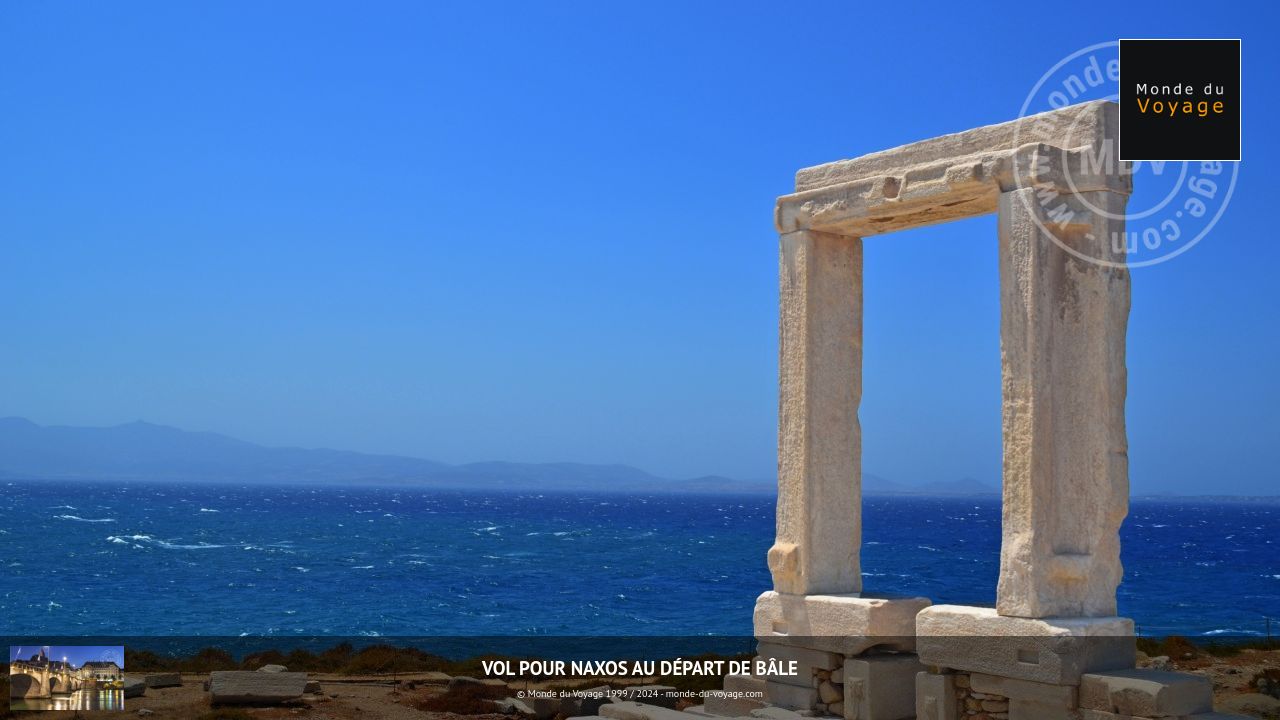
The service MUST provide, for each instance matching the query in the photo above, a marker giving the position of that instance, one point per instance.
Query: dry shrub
(1174, 646)
(1267, 682)
(463, 700)
(208, 660)
(267, 657)
(1178, 647)
(226, 714)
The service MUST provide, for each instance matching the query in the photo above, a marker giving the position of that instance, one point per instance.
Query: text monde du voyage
(1179, 99)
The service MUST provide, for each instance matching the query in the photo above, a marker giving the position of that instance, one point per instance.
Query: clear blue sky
(543, 231)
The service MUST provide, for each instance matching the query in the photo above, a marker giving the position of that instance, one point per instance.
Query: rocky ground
(344, 697)
(1245, 683)
(1236, 677)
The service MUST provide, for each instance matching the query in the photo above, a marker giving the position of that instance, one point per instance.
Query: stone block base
(725, 706)
(743, 684)
(1149, 693)
(744, 693)
(841, 624)
(936, 697)
(790, 697)
(661, 695)
(628, 710)
(975, 696)
(1056, 651)
(808, 662)
(1024, 690)
(776, 713)
(880, 687)
(1102, 715)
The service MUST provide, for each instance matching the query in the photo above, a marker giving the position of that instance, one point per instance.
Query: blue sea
(180, 560)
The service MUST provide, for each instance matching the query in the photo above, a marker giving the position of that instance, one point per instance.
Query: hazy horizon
(872, 482)
(544, 234)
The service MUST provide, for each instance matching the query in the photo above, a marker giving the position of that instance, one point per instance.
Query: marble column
(819, 517)
(1063, 320)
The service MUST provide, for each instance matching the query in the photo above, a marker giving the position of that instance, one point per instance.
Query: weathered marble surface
(819, 516)
(1047, 650)
(1062, 356)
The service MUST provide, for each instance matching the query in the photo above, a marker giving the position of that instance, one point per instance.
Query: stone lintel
(1086, 124)
(843, 624)
(949, 189)
(1043, 650)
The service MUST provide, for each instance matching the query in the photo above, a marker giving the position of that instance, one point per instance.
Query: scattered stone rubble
(240, 687)
(877, 685)
(164, 680)
(134, 687)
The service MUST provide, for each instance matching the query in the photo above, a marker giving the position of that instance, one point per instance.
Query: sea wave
(466, 579)
(165, 544)
(80, 519)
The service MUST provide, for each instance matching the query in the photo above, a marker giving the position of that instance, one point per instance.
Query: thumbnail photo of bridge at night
(73, 677)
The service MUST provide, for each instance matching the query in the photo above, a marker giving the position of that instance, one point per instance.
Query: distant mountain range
(144, 451)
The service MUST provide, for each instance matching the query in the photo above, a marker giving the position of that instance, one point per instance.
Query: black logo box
(1187, 68)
